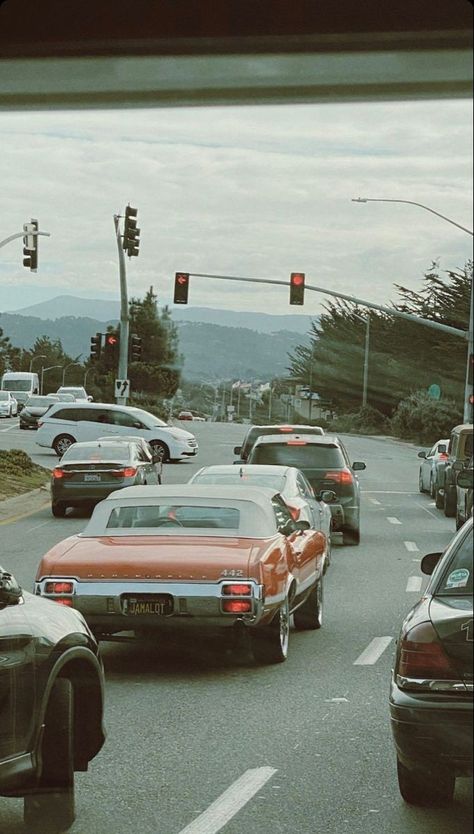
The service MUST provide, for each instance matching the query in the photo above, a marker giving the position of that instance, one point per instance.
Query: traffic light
(30, 245)
(131, 234)
(297, 288)
(135, 353)
(96, 347)
(111, 348)
(181, 287)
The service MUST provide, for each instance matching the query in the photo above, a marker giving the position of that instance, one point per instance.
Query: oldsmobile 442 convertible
(203, 555)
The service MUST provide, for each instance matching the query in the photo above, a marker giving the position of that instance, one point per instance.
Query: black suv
(51, 705)
(459, 452)
(254, 432)
(325, 463)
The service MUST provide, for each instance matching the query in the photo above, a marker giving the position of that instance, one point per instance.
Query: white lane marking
(393, 520)
(412, 547)
(374, 650)
(374, 501)
(229, 803)
(414, 584)
(43, 523)
(433, 515)
(10, 428)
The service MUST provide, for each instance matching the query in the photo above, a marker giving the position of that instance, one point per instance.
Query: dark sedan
(431, 693)
(34, 408)
(51, 705)
(90, 471)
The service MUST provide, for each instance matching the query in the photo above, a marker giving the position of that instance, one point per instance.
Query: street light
(366, 355)
(68, 366)
(468, 405)
(43, 371)
(39, 356)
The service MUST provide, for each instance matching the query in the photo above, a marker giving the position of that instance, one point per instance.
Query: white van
(21, 384)
(66, 423)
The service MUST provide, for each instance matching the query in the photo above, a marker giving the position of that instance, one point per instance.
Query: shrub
(15, 462)
(420, 418)
(366, 420)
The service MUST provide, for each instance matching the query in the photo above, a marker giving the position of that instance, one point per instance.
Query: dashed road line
(393, 520)
(374, 650)
(229, 803)
(414, 584)
(412, 547)
(374, 501)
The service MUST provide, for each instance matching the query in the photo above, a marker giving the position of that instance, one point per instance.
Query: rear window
(117, 452)
(468, 446)
(457, 579)
(307, 456)
(275, 482)
(173, 515)
(255, 433)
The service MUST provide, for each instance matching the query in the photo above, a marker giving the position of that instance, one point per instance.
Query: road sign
(122, 387)
(230, 409)
(434, 391)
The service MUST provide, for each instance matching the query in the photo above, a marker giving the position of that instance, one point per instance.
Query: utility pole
(366, 361)
(124, 318)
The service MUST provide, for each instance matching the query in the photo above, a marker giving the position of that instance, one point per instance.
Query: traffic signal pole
(124, 318)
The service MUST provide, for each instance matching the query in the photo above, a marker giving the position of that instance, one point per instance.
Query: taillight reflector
(237, 590)
(59, 587)
(422, 656)
(237, 606)
(340, 476)
(128, 472)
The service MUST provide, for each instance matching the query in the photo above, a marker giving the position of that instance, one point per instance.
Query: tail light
(237, 606)
(59, 587)
(59, 473)
(296, 443)
(443, 456)
(237, 589)
(295, 512)
(289, 429)
(128, 472)
(340, 476)
(422, 660)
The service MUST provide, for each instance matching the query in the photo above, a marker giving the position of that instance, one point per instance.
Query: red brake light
(341, 476)
(236, 606)
(296, 442)
(287, 428)
(60, 473)
(237, 590)
(422, 656)
(128, 472)
(59, 587)
(295, 512)
(443, 456)
(67, 602)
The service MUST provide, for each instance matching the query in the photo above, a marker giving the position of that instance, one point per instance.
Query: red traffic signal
(297, 280)
(181, 287)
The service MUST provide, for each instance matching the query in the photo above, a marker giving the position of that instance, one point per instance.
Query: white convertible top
(256, 513)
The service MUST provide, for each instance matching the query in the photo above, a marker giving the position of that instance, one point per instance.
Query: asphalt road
(299, 748)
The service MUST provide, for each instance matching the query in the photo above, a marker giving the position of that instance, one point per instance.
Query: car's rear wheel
(50, 810)
(62, 443)
(426, 788)
(58, 509)
(310, 614)
(432, 487)
(420, 482)
(449, 503)
(160, 448)
(270, 643)
(439, 499)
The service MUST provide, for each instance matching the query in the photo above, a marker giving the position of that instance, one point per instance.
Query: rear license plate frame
(92, 478)
(148, 605)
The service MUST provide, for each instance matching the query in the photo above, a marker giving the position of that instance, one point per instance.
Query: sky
(247, 191)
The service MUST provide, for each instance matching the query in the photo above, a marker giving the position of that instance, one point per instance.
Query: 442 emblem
(232, 572)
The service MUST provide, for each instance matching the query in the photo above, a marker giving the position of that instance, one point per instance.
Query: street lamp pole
(66, 367)
(468, 405)
(43, 371)
(39, 356)
(366, 356)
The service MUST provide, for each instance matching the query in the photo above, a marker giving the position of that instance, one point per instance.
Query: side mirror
(421, 454)
(357, 466)
(429, 562)
(328, 496)
(10, 591)
(302, 525)
(237, 450)
(465, 479)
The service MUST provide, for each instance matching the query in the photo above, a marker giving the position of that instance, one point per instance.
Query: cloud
(246, 191)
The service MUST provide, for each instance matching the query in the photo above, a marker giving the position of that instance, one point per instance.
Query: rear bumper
(344, 516)
(102, 604)
(429, 731)
(77, 496)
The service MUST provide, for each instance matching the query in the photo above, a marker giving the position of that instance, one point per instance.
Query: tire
(459, 521)
(310, 614)
(159, 446)
(439, 500)
(62, 443)
(449, 504)
(50, 810)
(432, 487)
(328, 554)
(351, 535)
(426, 788)
(270, 642)
(420, 482)
(58, 509)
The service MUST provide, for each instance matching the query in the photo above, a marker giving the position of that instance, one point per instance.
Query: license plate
(92, 477)
(151, 606)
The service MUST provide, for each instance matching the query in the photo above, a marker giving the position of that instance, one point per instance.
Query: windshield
(457, 579)
(74, 392)
(17, 385)
(305, 456)
(149, 420)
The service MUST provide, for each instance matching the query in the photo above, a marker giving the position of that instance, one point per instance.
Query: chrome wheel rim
(319, 601)
(284, 628)
(63, 445)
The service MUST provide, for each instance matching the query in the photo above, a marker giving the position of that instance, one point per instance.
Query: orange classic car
(204, 555)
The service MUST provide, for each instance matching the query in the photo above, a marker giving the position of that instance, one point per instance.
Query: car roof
(125, 438)
(112, 406)
(314, 439)
(256, 495)
(251, 467)
(82, 443)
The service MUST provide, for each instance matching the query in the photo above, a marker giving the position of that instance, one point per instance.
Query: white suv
(64, 424)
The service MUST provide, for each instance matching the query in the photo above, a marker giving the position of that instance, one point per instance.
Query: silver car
(290, 482)
(427, 478)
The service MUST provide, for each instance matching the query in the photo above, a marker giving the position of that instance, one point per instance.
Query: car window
(300, 454)
(303, 486)
(175, 515)
(441, 448)
(457, 578)
(72, 414)
(468, 446)
(284, 521)
(432, 452)
(124, 418)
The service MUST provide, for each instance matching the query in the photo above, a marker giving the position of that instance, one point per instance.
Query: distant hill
(69, 305)
(211, 351)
